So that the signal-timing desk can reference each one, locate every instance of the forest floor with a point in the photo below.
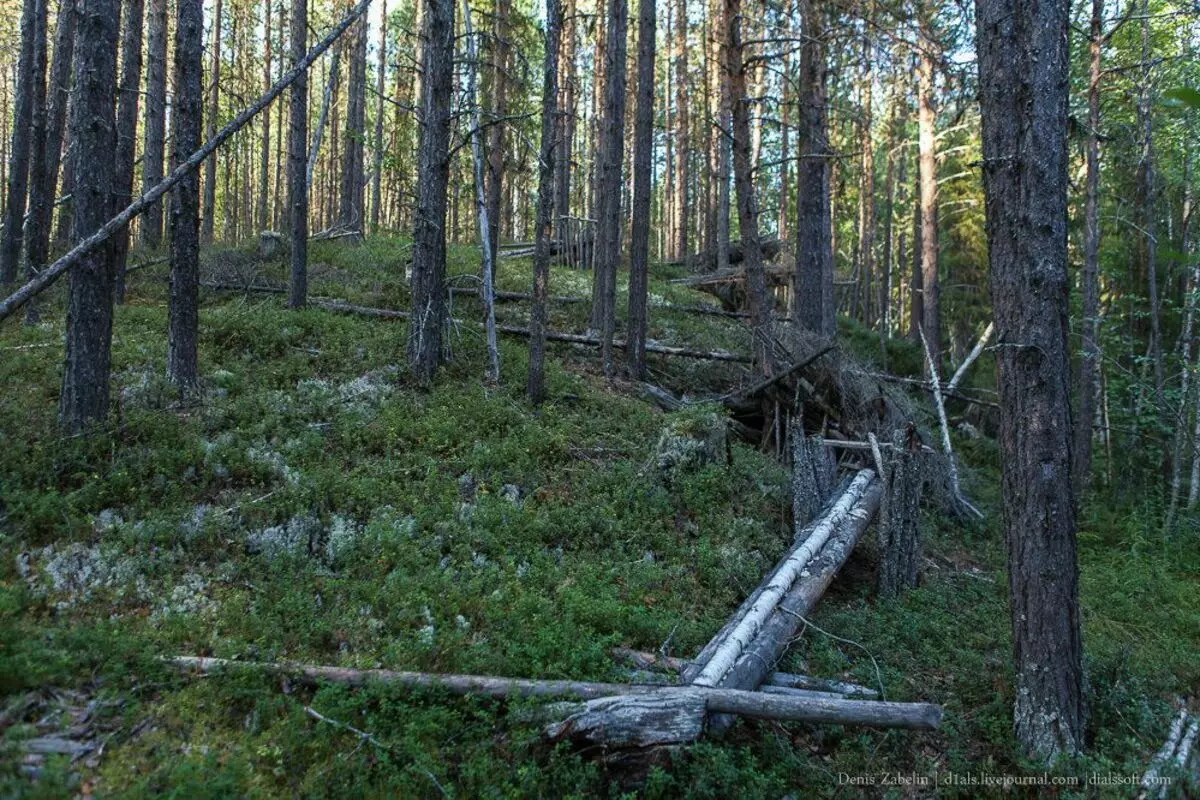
(316, 507)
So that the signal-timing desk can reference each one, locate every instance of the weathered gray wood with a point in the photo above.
(915, 716)
(779, 680)
(899, 528)
(810, 474)
(634, 720)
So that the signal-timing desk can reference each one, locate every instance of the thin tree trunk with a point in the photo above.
(208, 214)
(350, 209)
(18, 155)
(298, 175)
(643, 179)
(496, 142)
(155, 119)
(183, 305)
(127, 114)
(433, 169)
(930, 312)
(866, 216)
(377, 151)
(1023, 75)
(39, 201)
(535, 385)
(682, 206)
(724, 144)
(565, 82)
(84, 398)
(263, 220)
(814, 309)
(1147, 175)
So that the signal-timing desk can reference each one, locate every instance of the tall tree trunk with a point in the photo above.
(612, 155)
(1023, 76)
(814, 309)
(298, 181)
(1148, 190)
(84, 398)
(747, 197)
(565, 78)
(127, 113)
(916, 314)
(535, 384)
(350, 210)
(682, 206)
(183, 310)
(496, 145)
(155, 119)
(433, 169)
(1088, 386)
(40, 200)
(263, 219)
(18, 154)
(724, 142)
(208, 213)
(866, 200)
(930, 306)
(377, 150)
(643, 179)
(785, 128)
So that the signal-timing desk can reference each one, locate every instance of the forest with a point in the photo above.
(572, 398)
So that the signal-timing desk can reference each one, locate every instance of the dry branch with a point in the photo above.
(935, 387)
(53, 272)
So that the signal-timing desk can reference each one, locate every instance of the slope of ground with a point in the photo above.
(316, 507)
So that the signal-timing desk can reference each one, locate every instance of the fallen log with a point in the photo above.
(780, 582)
(961, 372)
(962, 505)
(613, 710)
(766, 383)
(53, 272)
(1151, 781)
(786, 680)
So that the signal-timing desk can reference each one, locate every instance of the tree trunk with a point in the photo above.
(1088, 385)
(263, 218)
(866, 200)
(39, 201)
(747, 197)
(127, 114)
(187, 110)
(495, 148)
(433, 168)
(724, 143)
(612, 155)
(682, 206)
(209, 211)
(899, 527)
(298, 186)
(565, 80)
(350, 207)
(814, 309)
(535, 385)
(155, 120)
(1148, 191)
(643, 179)
(18, 155)
(1023, 76)
(930, 307)
(84, 398)
(377, 150)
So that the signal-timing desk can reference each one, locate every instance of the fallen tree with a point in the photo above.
(613, 714)
(52, 273)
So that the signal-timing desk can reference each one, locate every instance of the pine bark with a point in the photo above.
(155, 120)
(83, 401)
(1024, 87)
(263, 206)
(814, 309)
(548, 174)
(433, 169)
(184, 302)
(377, 150)
(927, 166)
(129, 93)
(866, 200)
(39, 201)
(298, 161)
(350, 207)
(496, 138)
(643, 179)
(209, 211)
(11, 238)
(682, 102)
(565, 79)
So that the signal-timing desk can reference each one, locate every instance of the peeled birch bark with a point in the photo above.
(783, 578)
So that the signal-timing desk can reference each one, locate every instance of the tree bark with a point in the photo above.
(84, 398)
(927, 167)
(263, 218)
(866, 200)
(814, 308)
(565, 79)
(900, 518)
(643, 179)
(1023, 76)
(377, 150)
(155, 119)
(209, 211)
(298, 161)
(36, 235)
(535, 384)
(184, 303)
(433, 167)
(129, 93)
(350, 207)
(682, 207)
(1146, 174)
(12, 236)
(496, 144)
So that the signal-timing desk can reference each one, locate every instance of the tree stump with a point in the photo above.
(811, 476)
(899, 528)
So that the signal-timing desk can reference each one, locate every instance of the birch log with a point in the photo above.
(783, 578)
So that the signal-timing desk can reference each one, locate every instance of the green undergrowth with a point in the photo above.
(315, 506)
